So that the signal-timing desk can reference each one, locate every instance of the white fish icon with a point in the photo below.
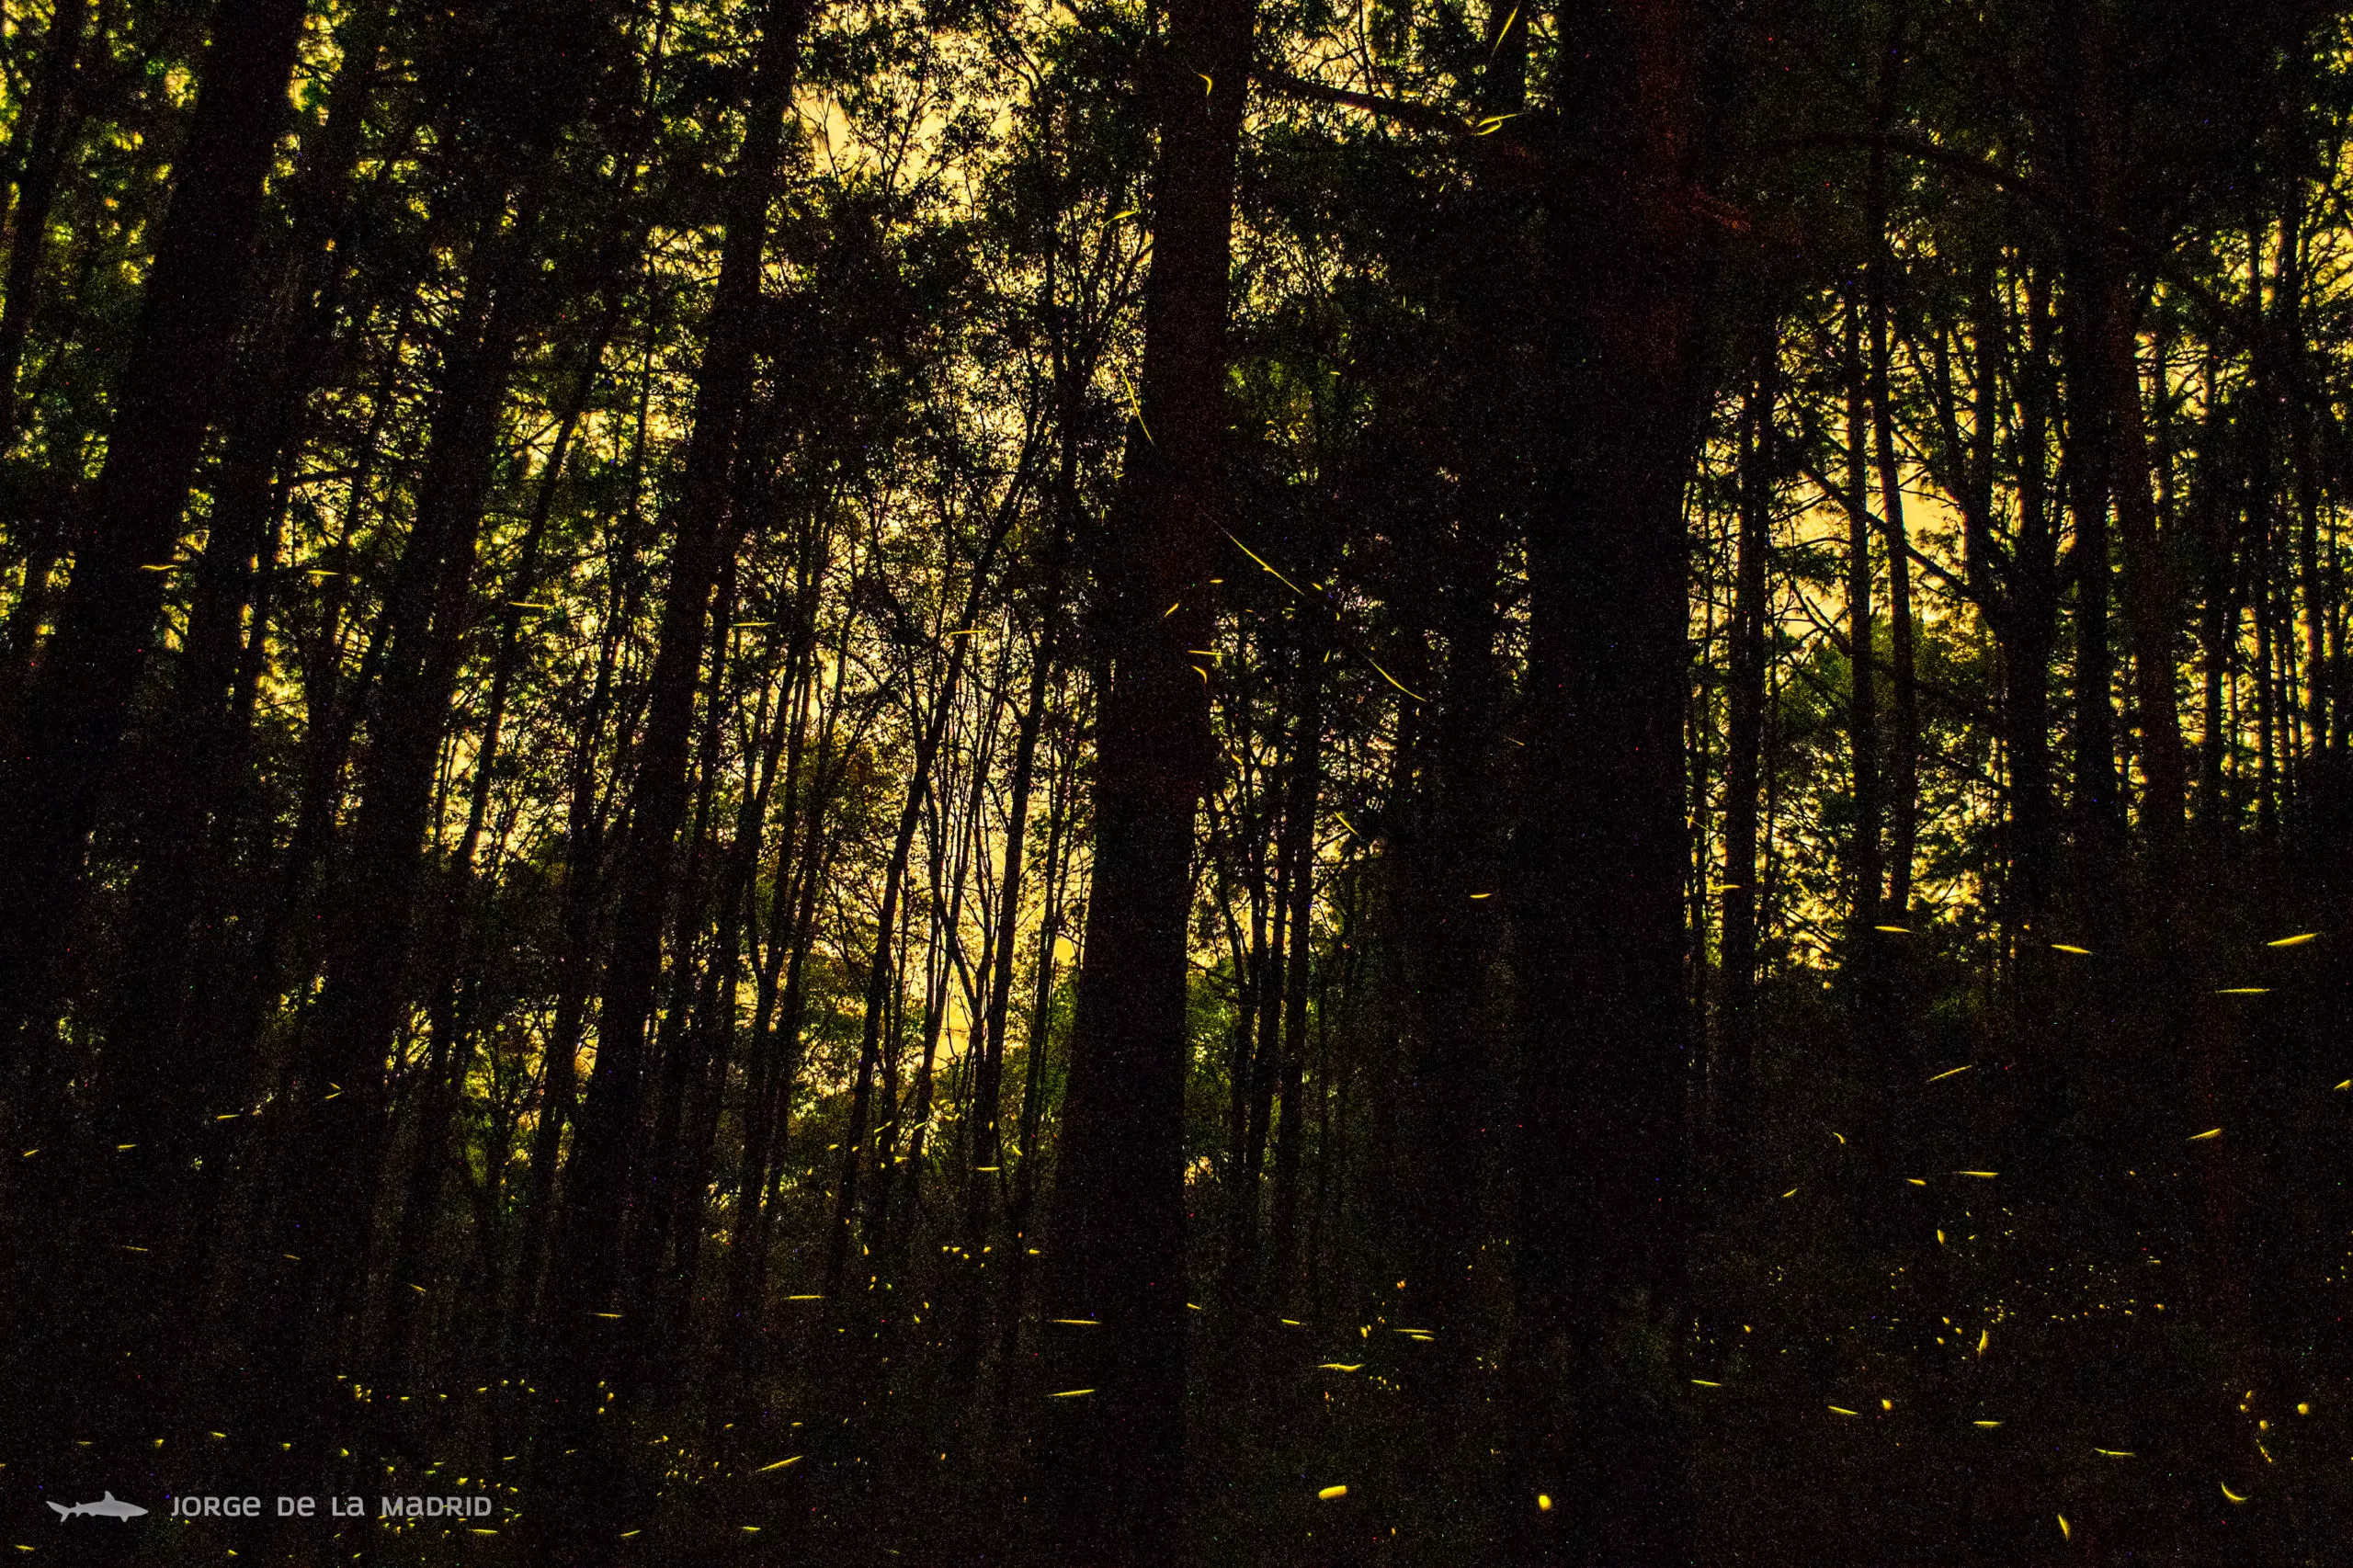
(109, 1507)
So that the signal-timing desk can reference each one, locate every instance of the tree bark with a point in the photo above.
(1114, 1468)
(1602, 852)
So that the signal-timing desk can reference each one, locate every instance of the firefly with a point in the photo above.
(1393, 679)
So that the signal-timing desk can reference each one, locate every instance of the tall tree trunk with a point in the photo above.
(1036, 1043)
(2029, 645)
(1245, 1129)
(773, 1055)
(1743, 748)
(1446, 882)
(2152, 598)
(984, 1179)
(1114, 1469)
(2218, 619)
(676, 1063)
(590, 1226)
(195, 742)
(598, 1175)
(713, 1046)
(327, 1186)
(2090, 447)
(442, 1091)
(37, 150)
(881, 974)
(2320, 695)
(1602, 857)
(1298, 850)
(1862, 659)
(1904, 741)
(578, 927)
(69, 721)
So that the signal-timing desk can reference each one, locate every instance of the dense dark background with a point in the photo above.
(934, 781)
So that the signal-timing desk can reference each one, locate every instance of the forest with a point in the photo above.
(1116, 783)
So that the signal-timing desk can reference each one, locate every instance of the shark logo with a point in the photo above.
(109, 1507)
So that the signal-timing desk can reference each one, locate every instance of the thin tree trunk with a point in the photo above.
(1298, 850)
(772, 1069)
(676, 1063)
(984, 1179)
(714, 1023)
(584, 883)
(2030, 643)
(589, 1232)
(69, 721)
(443, 1088)
(39, 151)
(1036, 1043)
(1903, 742)
(1744, 759)
(2098, 804)
(2151, 597)
(881, 974)
(1862, 658)
(326, 1192)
